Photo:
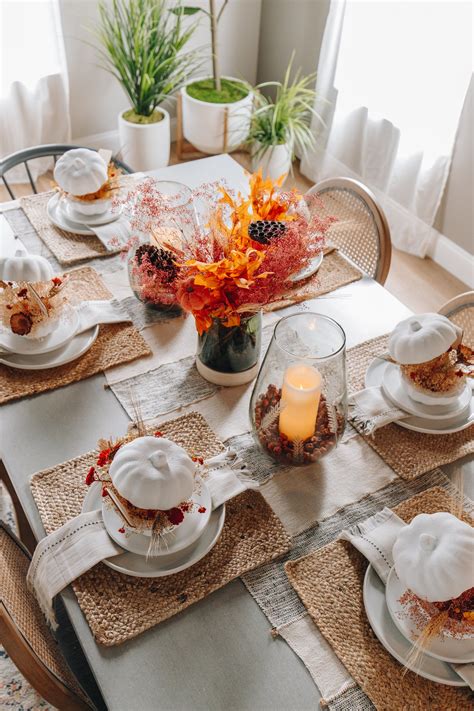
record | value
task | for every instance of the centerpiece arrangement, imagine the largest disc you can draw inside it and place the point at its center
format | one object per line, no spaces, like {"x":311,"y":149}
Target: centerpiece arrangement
{"x":225,"y":272}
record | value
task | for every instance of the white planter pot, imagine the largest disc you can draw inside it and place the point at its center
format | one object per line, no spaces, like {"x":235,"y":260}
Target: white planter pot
{"x":274,"y":162}
{"x":145,"y":146}
{"x":203,"y":122}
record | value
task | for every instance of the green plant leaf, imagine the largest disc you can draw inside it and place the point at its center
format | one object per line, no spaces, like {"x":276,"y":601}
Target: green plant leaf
{"x":187,"y":10}
{"x":142,"y":45}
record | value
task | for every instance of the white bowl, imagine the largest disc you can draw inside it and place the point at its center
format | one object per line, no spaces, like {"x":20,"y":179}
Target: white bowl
{"x":89,"y":207}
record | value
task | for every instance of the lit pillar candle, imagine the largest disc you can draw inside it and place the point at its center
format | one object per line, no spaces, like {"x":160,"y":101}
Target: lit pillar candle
{"x":300,"y":401}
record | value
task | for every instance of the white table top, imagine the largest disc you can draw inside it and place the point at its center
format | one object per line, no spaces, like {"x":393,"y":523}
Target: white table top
{"x":218,"y":653}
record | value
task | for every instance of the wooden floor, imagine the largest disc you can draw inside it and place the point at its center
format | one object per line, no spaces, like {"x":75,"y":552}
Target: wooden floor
{"x":421,"y":284}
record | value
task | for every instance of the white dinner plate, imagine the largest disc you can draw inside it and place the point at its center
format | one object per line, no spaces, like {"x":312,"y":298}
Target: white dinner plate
{"x":59,"y":217}
{"x":139,"y":567}
{"x":394,"y":642}
{"x":442,"y":646}
{"x":175,"y":540}
{"x":374,"y":378}
{"x":309,"y":270}
{"x":394,"y":388}
{"x":63,"y":333}
{"x":110,"y":215}
{"x":75,"y":348}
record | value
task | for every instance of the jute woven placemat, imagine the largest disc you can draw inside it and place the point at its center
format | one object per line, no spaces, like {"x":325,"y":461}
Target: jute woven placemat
{"x":409,"y":453}
{"x":329,"y":582}
{"x":116,"y":343}
{"x":118,"y":607}
{"x":335,"y":271}
{"x":68,"y":248}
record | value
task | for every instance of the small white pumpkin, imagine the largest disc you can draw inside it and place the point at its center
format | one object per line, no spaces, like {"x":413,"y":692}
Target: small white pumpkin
{"x":421,"y":338}
{"x":25,"y":267}
{"x":80,"y":171}
{"x":153,"y":473}
{"x":434,"y":556}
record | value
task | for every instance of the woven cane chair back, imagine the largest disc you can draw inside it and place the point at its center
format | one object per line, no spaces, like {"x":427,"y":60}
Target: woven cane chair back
{"x":25,"y":635}
{"x":361,"y":231}
{"x":460,"y":311}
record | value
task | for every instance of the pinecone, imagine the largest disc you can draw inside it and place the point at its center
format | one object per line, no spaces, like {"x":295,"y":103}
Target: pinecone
{"x":264,"y":231}
{"x":160,"y":258}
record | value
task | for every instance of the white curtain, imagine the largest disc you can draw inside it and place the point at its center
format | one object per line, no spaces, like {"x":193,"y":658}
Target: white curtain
{"x":392,"y":78}
{"x":34,"y":103}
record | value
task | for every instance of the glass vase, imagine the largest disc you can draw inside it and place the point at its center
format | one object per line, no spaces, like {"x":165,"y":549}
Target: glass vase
{"x":151,"y":276}
{"x":298,"y":407}
{"x":163,"y":216}
{"x":229,"y":355}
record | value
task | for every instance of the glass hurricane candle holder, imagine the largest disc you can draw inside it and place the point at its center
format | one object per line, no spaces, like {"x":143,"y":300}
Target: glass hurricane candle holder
{"x":163,"y":217}
{"x":298,"y":407}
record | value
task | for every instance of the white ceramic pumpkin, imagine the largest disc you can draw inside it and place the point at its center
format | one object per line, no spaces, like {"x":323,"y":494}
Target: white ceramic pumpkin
{"x":153,"y":473}
{"x":421,"y":338}
{"x":434,"y":556}
{"x":25,"y":267}
{"x":80,"y":171}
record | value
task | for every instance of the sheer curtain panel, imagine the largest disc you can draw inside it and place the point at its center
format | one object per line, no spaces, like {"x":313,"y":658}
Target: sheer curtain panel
{"x":34,"y":106}
{"x":392,"y":78}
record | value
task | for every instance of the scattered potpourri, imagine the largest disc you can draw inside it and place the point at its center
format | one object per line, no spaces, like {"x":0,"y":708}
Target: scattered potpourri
{"x":458,"y":614}
{"x":167,"y":520}
{"x":244,"y":255}
{"x":26,"y":307}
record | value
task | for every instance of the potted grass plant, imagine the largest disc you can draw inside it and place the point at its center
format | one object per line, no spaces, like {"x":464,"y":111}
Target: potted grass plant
{"x":216,"y":109}
{"x":280,"y":126}
{"x":142,"y":46}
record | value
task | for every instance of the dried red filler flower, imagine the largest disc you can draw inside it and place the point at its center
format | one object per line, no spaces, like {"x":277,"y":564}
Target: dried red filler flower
{"x":175,"y":516}
{"x":57,"y":281}
{"x":90,"y":478}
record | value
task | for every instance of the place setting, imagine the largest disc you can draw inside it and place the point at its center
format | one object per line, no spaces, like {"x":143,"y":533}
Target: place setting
{"x":42,"y":323}
{"x":87,"y":184}
{"x":423,"y":383}
{"x":416,"y":594}
{"x":147,"y":507}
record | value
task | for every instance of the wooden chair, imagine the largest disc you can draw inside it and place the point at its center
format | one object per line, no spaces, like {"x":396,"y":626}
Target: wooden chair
{"x":361,"y":232}
{"x":25,"y":635}
{"x":50,"y":150}
{"x":460,"y":310}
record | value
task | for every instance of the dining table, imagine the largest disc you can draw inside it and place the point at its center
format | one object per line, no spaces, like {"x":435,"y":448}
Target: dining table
{"x":219,"y":652}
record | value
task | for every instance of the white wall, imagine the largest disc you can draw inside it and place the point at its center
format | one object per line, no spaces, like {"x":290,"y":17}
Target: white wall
{"x":288,"y":25}
{"x":96,"y":97}
{"x":455,"y":217}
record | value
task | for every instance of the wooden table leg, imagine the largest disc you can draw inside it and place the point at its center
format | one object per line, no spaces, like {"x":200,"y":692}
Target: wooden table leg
{"x":25,"y":534}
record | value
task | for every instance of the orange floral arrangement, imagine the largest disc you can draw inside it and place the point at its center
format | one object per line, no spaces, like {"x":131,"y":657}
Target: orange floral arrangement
{"x":251,"y":248}
{"x":244,"y":256}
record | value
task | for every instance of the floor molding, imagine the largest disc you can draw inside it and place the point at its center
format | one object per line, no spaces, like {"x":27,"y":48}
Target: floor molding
{"x":453,"y":258}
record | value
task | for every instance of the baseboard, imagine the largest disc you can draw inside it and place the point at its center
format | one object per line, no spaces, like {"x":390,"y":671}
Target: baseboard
{"x":453,"y":258}
{"x":111,"y":140}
